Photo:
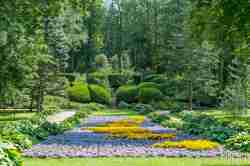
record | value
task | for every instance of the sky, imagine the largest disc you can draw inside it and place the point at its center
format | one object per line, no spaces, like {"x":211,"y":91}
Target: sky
{"x":107,"y":2}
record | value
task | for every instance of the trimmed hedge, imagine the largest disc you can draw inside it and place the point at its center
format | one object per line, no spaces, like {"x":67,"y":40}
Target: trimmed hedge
{"x":100,"y":94}
{"x":148,"y":95}
{"x":149,"y":85}
{"x":79,"y":92}
{"x":127,"y":93}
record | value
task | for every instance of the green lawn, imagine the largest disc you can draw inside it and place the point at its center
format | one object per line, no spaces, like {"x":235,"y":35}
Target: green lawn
{"x":115,"y":112}
{"x":15,"y":116}
{"x":134,"y":162}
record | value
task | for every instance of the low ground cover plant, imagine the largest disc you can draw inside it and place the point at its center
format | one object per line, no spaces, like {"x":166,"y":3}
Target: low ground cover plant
{"x":25,"y":133}
{"x":240,"y":142}
{"x":9,"y":155}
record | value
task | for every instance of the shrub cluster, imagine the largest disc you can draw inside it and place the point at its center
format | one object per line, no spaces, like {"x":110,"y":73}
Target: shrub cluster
{"x":100,"y":94}
{"x":148,"y":95}
{"x":209,"y":127}
{"x":127,"y":93}
{"x":79,"y":92}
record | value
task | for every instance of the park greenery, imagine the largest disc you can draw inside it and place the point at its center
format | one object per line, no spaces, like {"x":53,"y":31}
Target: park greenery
{"x":180,"y":64}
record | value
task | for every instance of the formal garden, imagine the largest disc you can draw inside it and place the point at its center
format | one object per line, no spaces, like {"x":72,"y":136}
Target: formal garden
{"x":124,"y":82}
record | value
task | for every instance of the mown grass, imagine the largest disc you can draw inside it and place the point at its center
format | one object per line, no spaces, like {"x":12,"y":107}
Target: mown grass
{"x":15,"y":116}
{"x":115,"y":112}
{"x":135,"y":162}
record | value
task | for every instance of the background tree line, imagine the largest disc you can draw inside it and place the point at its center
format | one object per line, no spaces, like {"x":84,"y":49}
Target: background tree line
{"x":200,"y":46}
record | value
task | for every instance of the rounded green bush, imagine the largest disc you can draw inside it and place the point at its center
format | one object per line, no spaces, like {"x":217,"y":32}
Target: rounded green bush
{"x":148,"y":95}
{"x":127,"y":93}
{"x":79,"y":92}
{"x":100,"y":94}
{"x":148,"y":85}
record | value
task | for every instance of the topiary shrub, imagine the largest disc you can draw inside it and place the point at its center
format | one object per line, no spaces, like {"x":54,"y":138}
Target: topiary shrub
{"x":148,"y":85}
{"x":127,"y":93}
{"x":148,"y":95}
{"x":98,"y":78}
{"x":79,"y":92}
{"x":100,"y":94}
{"x":116,"y":80}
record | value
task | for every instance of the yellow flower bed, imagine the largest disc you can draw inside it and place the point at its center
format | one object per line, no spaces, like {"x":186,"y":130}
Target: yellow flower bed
{"x":189,"y":144}
{"x":118,"y":130}
{"x":130,"y":129}
{"x":151,"y":136}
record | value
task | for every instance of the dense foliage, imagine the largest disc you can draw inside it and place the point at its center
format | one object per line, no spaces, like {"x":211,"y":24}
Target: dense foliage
{"x":9,"y":155}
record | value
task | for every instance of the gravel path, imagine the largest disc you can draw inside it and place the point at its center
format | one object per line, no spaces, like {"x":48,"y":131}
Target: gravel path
{"x":61,"y":116}
{"x":83,"y":143}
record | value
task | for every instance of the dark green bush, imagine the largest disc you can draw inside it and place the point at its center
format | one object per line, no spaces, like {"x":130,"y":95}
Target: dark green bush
{"x":51,"y":128}
{"x":79,"y":92}
{"x":100,"y":94}
{"x":148,"y":95}
{"x":240,"y":142}
{"x":127,"y":93}
{"x":28,"y":128}
{"x":209,"y":127}
{"x":116,"y":80}
{"x":143,"y":108}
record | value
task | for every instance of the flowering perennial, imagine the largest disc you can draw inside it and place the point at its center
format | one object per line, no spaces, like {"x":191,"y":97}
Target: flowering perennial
{"x":130,"y":129}
{"x":189,"y":144}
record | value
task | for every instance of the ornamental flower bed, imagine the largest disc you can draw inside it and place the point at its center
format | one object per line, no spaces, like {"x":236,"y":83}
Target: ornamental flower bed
{"x":81,"y":142}
{"x":189,"y":144}
{"x":130,"y":129}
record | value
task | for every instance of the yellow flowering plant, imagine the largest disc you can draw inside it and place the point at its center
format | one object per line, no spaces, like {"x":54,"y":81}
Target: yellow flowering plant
{"x":130,"y":129}
{"x":189,"y":144}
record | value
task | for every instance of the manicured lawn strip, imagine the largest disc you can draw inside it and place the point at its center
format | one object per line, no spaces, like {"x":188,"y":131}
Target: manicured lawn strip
{"x":134,"y":162}
{"x":16,"y":116}
{"x":115,"y":112}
